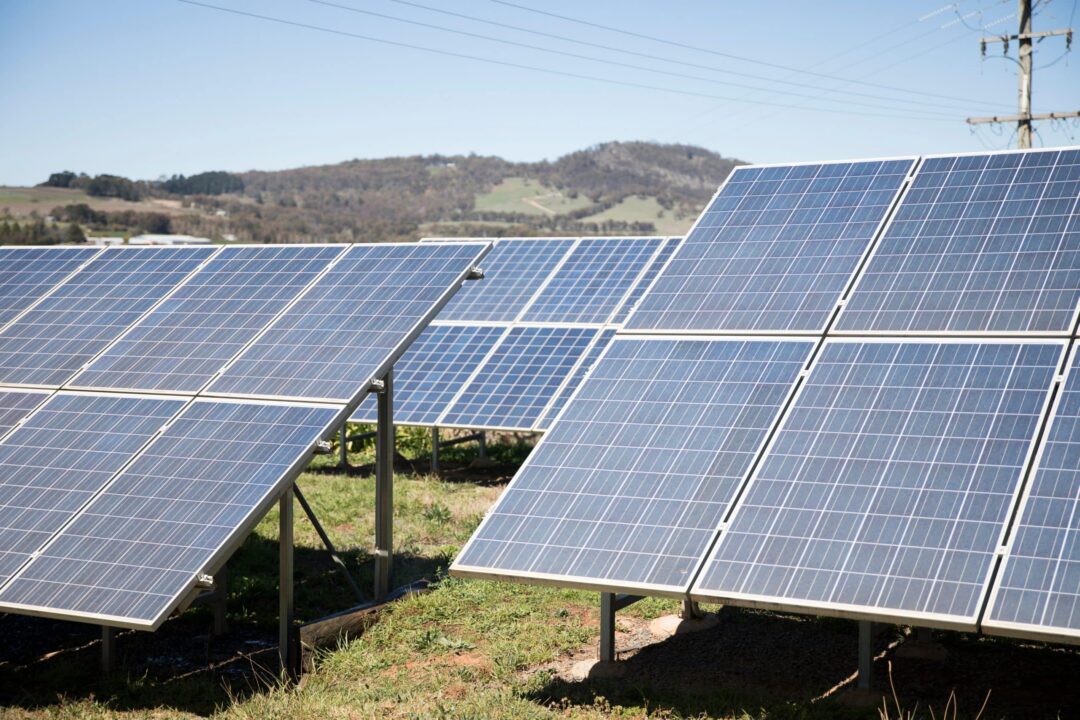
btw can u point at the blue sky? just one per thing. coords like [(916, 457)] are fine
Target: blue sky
[(145, 88)]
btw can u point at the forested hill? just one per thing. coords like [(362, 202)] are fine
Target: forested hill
[(618, 188)]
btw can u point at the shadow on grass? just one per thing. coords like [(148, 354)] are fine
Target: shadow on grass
[(762, 664), (182, 667)]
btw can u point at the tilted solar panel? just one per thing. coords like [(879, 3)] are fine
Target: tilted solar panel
[(513, 271), (775, 250), (632, 299), (137, 549), (185, 341), (341, 334), (51, 341), (63, 454), (979, 244), (593, 281), (17, 404), (886, 490), (432, 372), (28, 273), (571, 383), (627, 489), (1037, 590), (519, 378)]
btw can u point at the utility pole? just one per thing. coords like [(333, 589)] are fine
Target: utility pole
[(1025, 38)]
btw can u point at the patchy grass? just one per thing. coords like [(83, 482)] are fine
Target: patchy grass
[(646, 209), (473, 649), (520, 195)]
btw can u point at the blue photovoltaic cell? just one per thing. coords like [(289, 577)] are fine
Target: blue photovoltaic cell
[(432, 371), (887, 488), (206, 322), (138, 547), (513, 271), (594, 352), (51, 341), (1039, 586), (627, 489), (334, 340), (643, 284), (980, 243), (63, 454), (15, 405), (592, 282), (27, 273), (775, 249), (515, 384)]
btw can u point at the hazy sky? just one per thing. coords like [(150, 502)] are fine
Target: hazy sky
[(150, 87)]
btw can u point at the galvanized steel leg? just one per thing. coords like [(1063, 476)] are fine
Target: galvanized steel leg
[(343, 449), (108, 649), (607, 627), (384, 490), (866, 654), (285, 583), (221, 598), (435, 450), (483, 444)]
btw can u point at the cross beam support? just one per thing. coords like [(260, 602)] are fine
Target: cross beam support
[(328, 544)]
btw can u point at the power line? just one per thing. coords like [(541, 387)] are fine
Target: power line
[(719, 53), (533, 68), (609, 48)]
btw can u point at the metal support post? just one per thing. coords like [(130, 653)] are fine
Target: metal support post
[(343, 450), (482, 437), (691, 610), (221, 598), (285, 583), (866, 654), (607, 627), (108, 649), (435, 450), (384, 490)]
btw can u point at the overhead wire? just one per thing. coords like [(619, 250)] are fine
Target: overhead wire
[(731, 56), (533, 68), (608, 48)]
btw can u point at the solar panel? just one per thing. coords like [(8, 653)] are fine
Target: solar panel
[(186, 340), (571, 384), (137, 549), (63, 454), (28, 273), (979, 244), (627, 489), (775, 250), (513, 271), (592, 282), (886, 490), (666, 250), (351, 324), (52, 340), (17, 404), (517, 381), (1037, 591), (432, 372)]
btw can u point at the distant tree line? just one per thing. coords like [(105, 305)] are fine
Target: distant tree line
[(39, 233), (215, 182), (143, 222), (99, 185)]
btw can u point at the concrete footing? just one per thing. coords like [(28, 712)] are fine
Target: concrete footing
[(669, 625), (596, 670)]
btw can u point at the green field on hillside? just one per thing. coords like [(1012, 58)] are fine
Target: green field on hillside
[(521, 195), (647, 209)]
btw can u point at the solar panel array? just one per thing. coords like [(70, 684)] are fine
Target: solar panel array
[(113, 503), (502, 354), (910, 476)]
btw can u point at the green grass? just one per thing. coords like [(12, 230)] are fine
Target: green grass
[(647, 209), (520, 195)]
